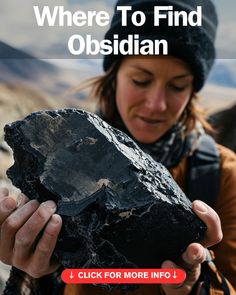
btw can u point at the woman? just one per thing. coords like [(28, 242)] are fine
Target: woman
[(153, 100)]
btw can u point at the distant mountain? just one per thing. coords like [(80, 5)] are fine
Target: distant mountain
[(223, 73), (8, 52), (20, 68), (18, 65)]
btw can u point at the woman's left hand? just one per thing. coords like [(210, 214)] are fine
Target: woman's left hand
[(195, 253)]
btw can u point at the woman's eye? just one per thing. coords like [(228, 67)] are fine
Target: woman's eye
[(179, 88), (141, 83)]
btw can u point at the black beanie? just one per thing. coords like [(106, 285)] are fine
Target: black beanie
[(193, 44)]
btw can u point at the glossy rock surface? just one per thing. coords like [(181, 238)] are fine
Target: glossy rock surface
[(119, 207)]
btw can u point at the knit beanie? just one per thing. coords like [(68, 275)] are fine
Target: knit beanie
[(193, 44)]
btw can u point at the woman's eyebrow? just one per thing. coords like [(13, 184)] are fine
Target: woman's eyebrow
[(183, 76), (142, 69)]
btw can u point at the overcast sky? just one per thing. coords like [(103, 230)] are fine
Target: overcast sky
[(19, 28)]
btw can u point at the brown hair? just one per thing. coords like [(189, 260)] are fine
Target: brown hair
[(104, 89)]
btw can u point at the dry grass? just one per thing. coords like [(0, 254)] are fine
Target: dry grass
[(18, 101), (217, 98)]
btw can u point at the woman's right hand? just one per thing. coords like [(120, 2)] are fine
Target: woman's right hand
[(19, 229), (195, 253)]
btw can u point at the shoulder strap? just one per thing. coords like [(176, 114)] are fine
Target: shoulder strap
[(203, 177), (213, 280)]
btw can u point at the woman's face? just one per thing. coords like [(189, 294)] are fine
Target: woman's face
[(151, 94)]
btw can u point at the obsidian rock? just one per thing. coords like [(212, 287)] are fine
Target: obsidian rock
[(119, 207)]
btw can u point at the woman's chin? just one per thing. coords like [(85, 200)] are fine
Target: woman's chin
[(145, 139)]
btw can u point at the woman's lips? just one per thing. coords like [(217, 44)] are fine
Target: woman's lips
[(151, 121)]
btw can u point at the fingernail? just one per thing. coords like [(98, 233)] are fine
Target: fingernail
[(200, 207), (21, 199), (55, 219), (50, 204)]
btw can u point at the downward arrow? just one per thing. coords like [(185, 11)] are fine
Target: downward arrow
[(71, 275)]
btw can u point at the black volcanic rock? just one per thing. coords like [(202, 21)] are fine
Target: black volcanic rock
[(120, 208)]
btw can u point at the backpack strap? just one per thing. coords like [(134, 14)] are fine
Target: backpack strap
[(203, 182), (212, 280), (203, 176)]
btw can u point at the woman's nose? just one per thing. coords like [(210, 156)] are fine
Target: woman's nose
[(156, 99)]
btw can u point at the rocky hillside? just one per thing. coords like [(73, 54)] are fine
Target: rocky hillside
[(225, 124), (20, 68)]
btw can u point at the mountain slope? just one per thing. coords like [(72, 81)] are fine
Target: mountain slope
[(18, 67)]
